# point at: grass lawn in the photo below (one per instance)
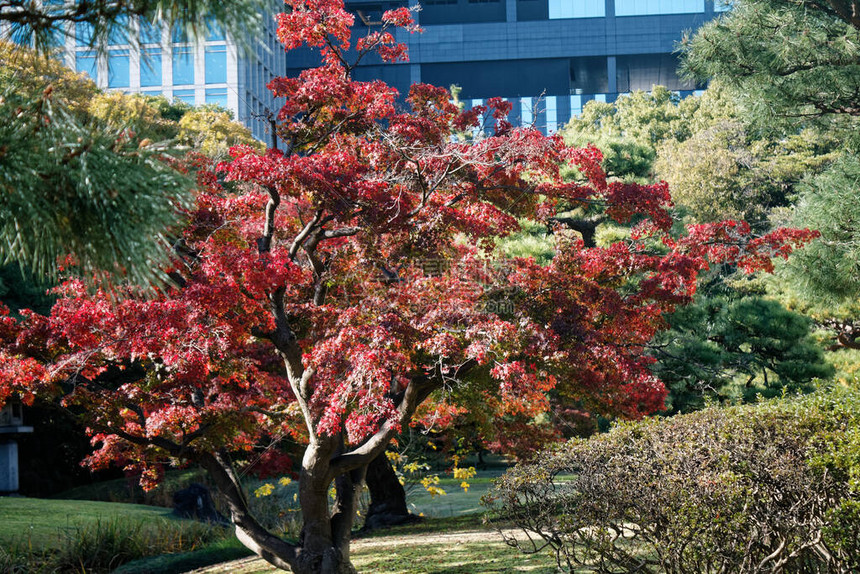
(456, 501)
(456, 545)
(478, 557)
(46, 523)
(452, 538)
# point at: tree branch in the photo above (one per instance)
(251, 533)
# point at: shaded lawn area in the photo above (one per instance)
(46, 523)
(456, 501)
(479, 557)
(455, 545)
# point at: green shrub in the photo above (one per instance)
(769, 487)
(104, 545)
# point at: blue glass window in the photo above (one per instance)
(186, 96)
(551, 114)
(150, 67)
(526, 112)
(118, 69)
(575, 105)
(83, 33)
(722, 5)
(149, 33)
(214, 32)
(56, 38)
(118, 32)
(216, 64)
(88, 63)
(183, 65)
(55, 34)
(646, 7)
(217, 96)
(180, 35)
(577, 9)
(151, 92)
(21, 34)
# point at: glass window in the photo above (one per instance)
(83, 33)
(183, 65)
(151, 92)
(646, 7)
(526, 112)
(180, 35)
(21, 34)
(214, 33)
(87, 63)
(217, 96)
(722, 5)
(575, 105)
(551, 114)
(56, 38)
(216, 64)
(600, 98)
(149, 33)
(119, 31)
(118, 69)
(150, 67)
(577, 9)
(186, 96)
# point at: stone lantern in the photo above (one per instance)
(11, 425)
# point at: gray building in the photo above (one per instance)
(548, 57)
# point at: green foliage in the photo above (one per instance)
(148, 117)
(84, 174)
(770, 487)
(786, 60)
(225, 550)
(717, 166)
(213, 133)
(629, 130)
(727, 171)
(726, 348)
(102, 545)
(531, 240)
(167, 109)
(20, 290)
(30, 73)
(80, 187)
(826, 272)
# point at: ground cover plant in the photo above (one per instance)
(348, 285)
(83, 536)
(769, 487)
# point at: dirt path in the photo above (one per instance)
(255, 565)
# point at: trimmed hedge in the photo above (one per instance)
(769, 487)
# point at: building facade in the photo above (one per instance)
(548, 57)
(212, 70)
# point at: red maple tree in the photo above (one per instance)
(346, 287)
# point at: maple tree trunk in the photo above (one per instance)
(324, 547)
(325, 532)
(387, 496)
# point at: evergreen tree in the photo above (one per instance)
(88, 174)
(827, 272)
(732, 347)
(789, 61)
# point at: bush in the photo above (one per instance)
(104, 545)
(769, 487)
